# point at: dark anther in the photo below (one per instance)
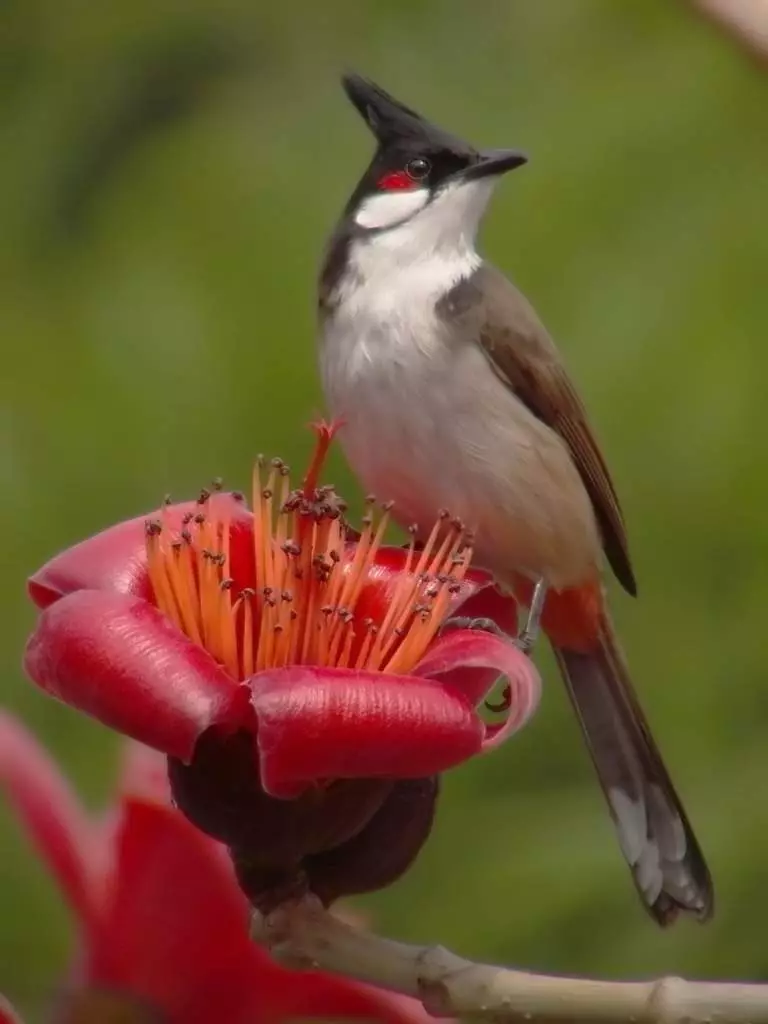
(186, 518)
(247, 593)
(454, 588)
(334, 555)
(278, 628)
(227, 584)
(153, 528)
(413, 529)
(276, 463)
(266, 493)
(199, 518)
(176, 545)
(186, 536)
(167, 500)
(268, 591)
(443, 514)
(293, 614)
(290, 547)
(203, 496)
(441, 578)
(217, 483)
(399, 631)
(286, 595)
(370, 499)
(387, 506)
(326, 610)
(238, 496)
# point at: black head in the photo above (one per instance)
(412, 152)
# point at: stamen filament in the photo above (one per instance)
(303, 605)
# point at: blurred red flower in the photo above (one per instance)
(163, 927)
(295, 674)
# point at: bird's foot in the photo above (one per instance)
(526, 639)
(468, 622)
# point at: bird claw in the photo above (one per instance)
(526, 639)
(468, 622)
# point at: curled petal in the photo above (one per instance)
(116, 558)
(331, 723)
(51, 814)
(120, 660)
(457, 652)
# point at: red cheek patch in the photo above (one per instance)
(395, 180)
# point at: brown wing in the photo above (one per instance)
(524, 356)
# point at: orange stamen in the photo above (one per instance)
(308, 579)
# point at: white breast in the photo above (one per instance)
(429, 426)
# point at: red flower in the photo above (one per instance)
(288, 670)
(162, 923)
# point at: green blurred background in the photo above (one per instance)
(169, 173)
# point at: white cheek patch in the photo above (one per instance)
(385, 209)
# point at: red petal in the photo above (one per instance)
(50, 812)
(174, 934)
(119, 659)
(7, 1015)
(329, 723)
(450, 658)
(174, 928)
(116, 559)
(143, 773)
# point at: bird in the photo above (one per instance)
(454, 396)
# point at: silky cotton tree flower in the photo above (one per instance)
(296, 673)
(162, 925)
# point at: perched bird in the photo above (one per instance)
(454, 396)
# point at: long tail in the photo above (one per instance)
(654, 833)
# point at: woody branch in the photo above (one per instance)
(305, 936)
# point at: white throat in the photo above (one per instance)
(421, 248)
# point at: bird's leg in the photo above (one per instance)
(530, 631)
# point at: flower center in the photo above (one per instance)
(308, 577)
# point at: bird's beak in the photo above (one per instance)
(493, 162)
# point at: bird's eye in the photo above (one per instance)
(418, 168)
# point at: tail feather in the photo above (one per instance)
(653, 831)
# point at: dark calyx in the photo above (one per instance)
(351, 836)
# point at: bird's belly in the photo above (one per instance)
(432, 432)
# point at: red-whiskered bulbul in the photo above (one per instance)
(454, 396)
